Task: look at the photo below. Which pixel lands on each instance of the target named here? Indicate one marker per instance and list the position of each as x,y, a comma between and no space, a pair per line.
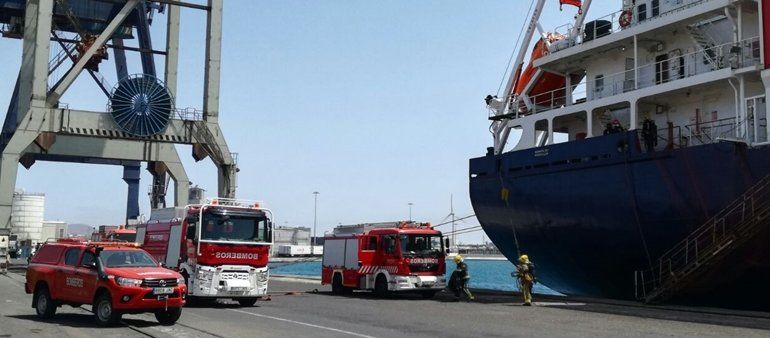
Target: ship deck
298,310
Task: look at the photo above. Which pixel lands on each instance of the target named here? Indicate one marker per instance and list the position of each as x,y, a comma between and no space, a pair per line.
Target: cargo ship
630,152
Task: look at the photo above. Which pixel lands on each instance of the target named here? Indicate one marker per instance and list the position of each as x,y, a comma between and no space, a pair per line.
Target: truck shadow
76,320
81,320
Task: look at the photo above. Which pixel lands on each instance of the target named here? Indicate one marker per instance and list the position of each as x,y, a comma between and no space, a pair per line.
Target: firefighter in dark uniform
649,134
460,278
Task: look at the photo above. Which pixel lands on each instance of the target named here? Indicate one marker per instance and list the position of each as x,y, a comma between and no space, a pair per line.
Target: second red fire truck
220,247
385,257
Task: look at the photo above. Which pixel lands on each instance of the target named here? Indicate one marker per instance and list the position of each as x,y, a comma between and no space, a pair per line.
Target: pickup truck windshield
242,228
420,245
127,259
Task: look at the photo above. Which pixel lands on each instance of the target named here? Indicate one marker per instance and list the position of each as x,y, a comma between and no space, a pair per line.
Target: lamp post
315,223
410,210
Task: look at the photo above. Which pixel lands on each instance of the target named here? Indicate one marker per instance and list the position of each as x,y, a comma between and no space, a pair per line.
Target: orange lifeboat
547,82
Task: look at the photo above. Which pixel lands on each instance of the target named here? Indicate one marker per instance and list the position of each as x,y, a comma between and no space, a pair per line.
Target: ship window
599,83
642,13
661,69
542,134
655,7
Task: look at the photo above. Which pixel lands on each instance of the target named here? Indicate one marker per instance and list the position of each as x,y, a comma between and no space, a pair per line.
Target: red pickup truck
116,278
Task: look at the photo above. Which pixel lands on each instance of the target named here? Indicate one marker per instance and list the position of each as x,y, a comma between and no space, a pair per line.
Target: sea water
485,274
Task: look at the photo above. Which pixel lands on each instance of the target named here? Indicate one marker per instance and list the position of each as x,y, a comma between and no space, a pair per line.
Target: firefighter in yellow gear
525,273
459,280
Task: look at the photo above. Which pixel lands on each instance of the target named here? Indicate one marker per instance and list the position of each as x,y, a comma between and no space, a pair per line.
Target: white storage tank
27,215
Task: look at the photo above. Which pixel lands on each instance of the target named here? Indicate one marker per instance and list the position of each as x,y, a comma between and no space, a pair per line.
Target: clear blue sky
374,104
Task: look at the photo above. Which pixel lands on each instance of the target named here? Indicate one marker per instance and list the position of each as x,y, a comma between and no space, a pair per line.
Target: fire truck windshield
126,259
241,228
421,245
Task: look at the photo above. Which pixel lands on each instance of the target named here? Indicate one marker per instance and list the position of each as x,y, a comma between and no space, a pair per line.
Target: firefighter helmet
523,259
458,259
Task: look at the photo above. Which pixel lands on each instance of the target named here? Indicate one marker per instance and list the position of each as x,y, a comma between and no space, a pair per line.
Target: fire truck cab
385,257
221,247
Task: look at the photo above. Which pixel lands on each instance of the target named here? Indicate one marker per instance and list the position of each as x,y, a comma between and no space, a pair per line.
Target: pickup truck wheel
44,305
168,317
337,287
104,312
247,301
381,286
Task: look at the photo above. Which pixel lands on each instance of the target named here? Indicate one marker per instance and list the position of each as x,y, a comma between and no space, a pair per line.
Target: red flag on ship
576,3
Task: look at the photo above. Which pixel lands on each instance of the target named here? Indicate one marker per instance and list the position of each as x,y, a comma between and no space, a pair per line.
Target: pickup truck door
67,284
87,271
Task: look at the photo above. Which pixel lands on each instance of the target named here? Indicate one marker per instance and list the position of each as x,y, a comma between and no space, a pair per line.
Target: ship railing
610,23
672,138
711,131
744,53
724,231
552,99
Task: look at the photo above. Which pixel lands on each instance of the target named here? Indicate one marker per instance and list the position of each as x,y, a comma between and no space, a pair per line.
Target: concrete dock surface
302,308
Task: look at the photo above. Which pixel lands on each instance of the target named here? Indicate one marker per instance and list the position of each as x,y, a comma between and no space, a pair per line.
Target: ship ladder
708,245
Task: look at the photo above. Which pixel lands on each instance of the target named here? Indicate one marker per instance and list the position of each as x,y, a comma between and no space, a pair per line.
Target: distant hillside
79,230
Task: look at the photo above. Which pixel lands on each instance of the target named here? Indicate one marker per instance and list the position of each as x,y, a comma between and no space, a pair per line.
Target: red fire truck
384,257
221,247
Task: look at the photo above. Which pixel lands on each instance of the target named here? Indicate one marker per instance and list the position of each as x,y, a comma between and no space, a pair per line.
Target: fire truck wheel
381,286
44,305
168,317
428,294
247,301
104,312
337,287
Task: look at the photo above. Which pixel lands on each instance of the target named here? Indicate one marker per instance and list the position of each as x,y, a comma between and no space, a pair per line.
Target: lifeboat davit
545,82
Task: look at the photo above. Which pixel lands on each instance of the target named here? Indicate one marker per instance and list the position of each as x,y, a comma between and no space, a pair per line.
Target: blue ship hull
591,212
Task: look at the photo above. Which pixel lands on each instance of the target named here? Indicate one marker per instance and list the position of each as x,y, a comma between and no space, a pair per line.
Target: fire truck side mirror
446,244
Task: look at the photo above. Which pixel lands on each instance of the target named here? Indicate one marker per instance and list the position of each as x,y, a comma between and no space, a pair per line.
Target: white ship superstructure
694,67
